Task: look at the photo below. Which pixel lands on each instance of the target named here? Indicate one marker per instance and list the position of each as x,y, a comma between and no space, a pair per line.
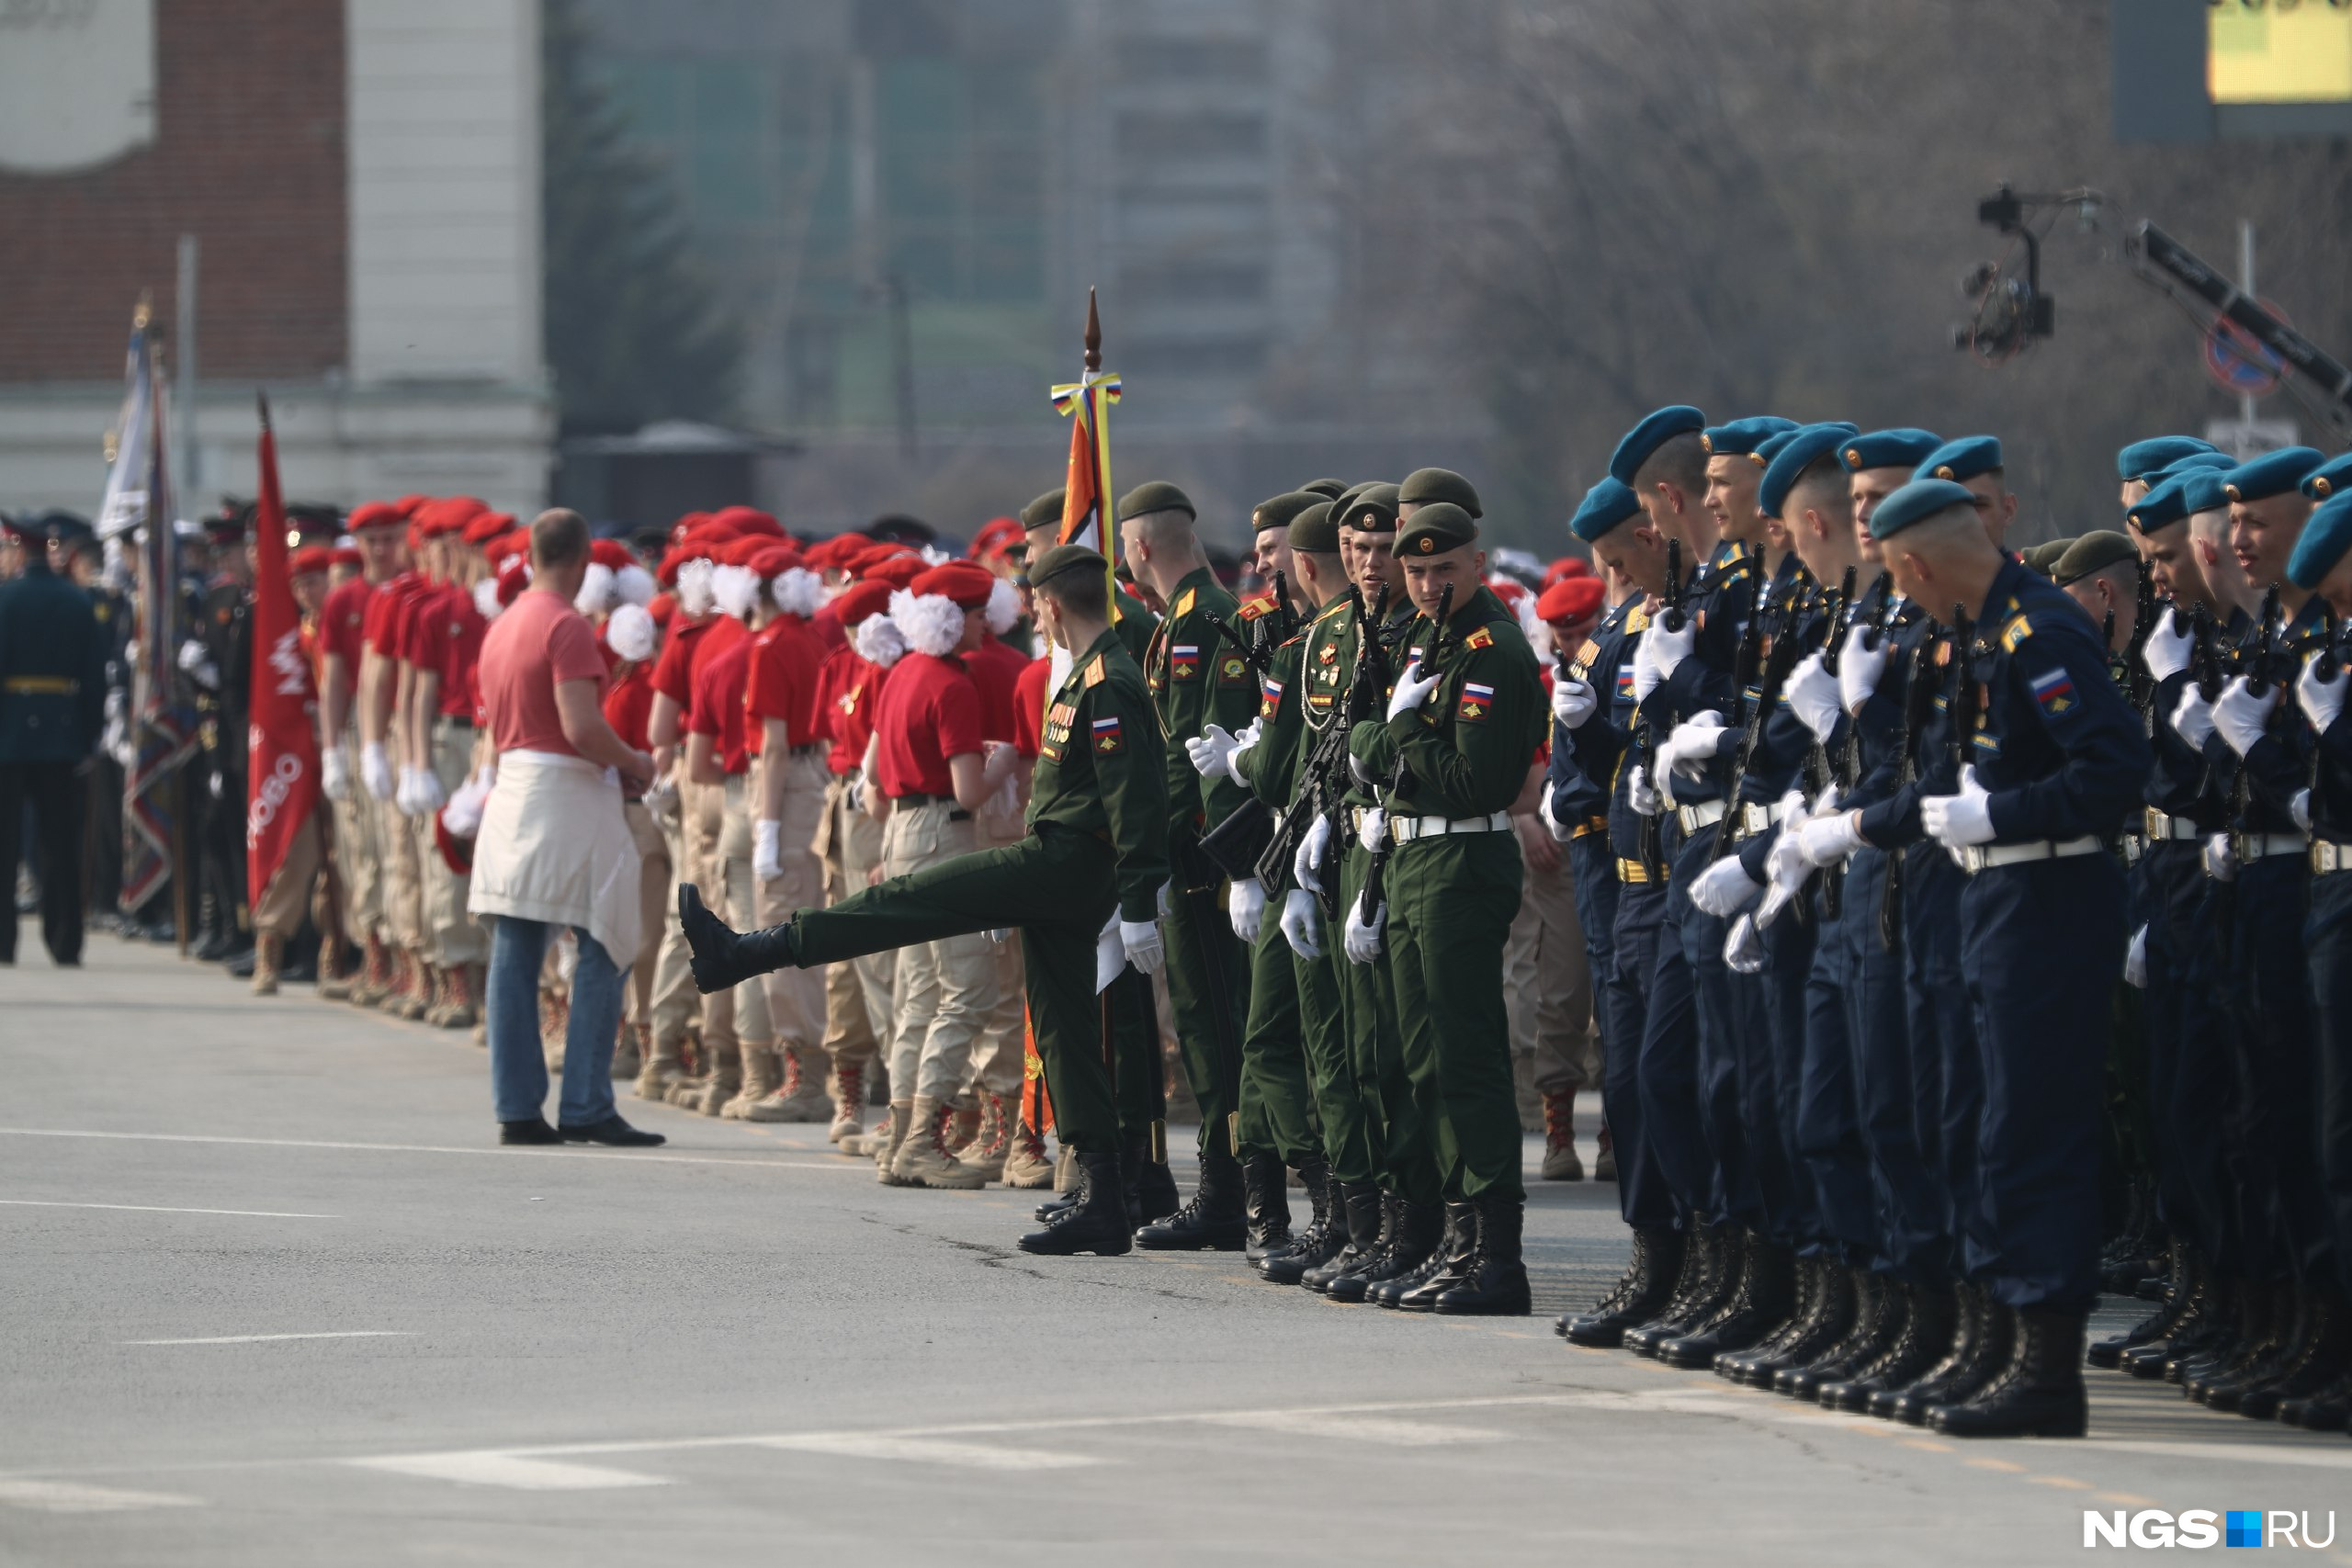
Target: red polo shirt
448,642
930,711
996,670
848,688
684,652
628,706
718,704
786,659
341,620
1029,707
385,610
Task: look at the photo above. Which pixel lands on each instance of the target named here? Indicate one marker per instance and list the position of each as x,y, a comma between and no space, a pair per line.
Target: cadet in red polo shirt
358,851
994,1090
442,646
385,696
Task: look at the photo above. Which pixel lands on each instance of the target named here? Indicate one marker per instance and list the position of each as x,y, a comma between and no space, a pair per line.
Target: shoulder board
1482,638
1589,652
1733,570
1184,606
2014,632
1253,608
1335,607
1296,639
1095,672
1638,620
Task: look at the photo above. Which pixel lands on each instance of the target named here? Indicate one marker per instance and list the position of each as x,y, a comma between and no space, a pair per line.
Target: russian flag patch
1186,660
1475,701
1106,733
2055,692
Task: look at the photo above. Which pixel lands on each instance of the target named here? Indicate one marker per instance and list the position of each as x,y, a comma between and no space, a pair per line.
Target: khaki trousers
451,936
287,897
796,996
404,898
1547,987
358,854
947,988
703,808
655,899
857,990
753,1026
999,1055
672,1004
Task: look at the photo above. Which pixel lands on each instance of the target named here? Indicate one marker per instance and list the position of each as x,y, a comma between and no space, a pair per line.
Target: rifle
1779,646
1282,622
1652,849
1257,655
2250,658
1961,710
1818,771
1918,698
1306,803
1400,777
2135,650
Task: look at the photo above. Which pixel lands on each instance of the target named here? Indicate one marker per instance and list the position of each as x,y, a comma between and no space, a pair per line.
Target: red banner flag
281,744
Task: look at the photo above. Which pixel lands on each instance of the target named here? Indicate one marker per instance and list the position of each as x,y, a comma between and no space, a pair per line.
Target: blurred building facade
361,178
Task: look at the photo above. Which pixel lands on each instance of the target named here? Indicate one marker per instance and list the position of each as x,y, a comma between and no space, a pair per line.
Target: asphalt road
270,1294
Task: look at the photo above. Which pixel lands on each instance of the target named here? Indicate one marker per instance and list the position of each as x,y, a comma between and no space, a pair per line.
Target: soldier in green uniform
217,658
52,691
1089,873
1196,679
1461,730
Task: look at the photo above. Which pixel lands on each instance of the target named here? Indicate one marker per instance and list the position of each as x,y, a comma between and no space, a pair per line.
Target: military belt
2262,846
1755,818
1405,830
1984,857
2328,857
1589,827
1694,818
42,685
1632,871
916,801
2164,825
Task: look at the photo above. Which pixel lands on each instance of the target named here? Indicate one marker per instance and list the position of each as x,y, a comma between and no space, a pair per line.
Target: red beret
406,505
346,555
897,570
994,536
377,514
1570,599
961,582
488,526
862,603
1509,590
686,524
1566,567
774,560
609,553
513,577
310,559
743,551
663,606
746,519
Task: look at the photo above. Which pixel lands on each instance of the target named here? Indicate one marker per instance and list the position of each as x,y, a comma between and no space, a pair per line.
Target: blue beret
2273,473
2215,460
2204,490
1655,431
1744,437
1961,459
1919,498
1903,447
1606,504
2144,457
2327,535
2331,477
2165,503
1791,456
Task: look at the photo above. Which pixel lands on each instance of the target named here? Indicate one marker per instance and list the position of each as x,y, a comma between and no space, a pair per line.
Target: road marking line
155,1209
631,1156
268,1338
1927,1446
76,1497
928,1450
2125,1499
2065,1483
2337,1456
2004,1466
1357,1428
516,1472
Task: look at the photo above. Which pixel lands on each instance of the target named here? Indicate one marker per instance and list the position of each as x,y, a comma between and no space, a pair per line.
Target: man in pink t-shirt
542,680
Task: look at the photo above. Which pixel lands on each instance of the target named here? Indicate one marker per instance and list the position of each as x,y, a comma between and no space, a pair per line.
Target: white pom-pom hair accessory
798,592
596,590
878,641
1005,606
694,585
734,589
932,623
635,585
629,633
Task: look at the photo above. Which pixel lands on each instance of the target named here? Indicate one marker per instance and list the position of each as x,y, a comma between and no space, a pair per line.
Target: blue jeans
518,1070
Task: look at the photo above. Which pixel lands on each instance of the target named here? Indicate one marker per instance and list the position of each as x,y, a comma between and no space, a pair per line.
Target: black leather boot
1805,1295
1388,1292
1316,1177
1803,1379
1318,1244
1212,1222
1265,1206
1099,1222
1156,1194
2317,1361
1496,1285
2157,1325
1414,1238
1392,1217
2206,1321
1981,1353
2260,1336
1831,1319
2038,1394
1758,1306
1456,1259
724,958
1694,1288
2327,1409
1639,1295
1925,1339
1361,1209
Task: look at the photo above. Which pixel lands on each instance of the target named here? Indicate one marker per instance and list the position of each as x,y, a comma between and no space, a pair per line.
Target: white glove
1860,669
1211,750
1140,941
1110,955
1245,906
1413,689
1299,924
2239,714
2221,859
1956,821
1310,854
1642,794
1743,948
462,815
1694,740
1362,940
376,771
196,659
213,783
1668,649
767,850
1550,818
1161,902
1785,867
1812,693
1375,832
430,797
1724,889
2135,960
1645,671
999,934
2321,701
2192,718
1829,839
1572,704
405,793
2168,648
2299,808
1241,744
334,773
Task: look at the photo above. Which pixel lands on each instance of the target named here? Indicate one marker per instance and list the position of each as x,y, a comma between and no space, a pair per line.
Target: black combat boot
1926,1340
1388,1292
1457,1259
1758,1306
1981,1352
2204,1322
724,958
1392,1217
1495,1282
1361,1209
1694,1289
2317,1363
1417,1229
1831,1319
1803,1379
2326,1409
2260,1335
1805,1295
1212,1222
1156,1194
1316,1177
2158,1324
1099,1222
1639,1295
1265,1206
1318,1244
1866,1355
2038,1394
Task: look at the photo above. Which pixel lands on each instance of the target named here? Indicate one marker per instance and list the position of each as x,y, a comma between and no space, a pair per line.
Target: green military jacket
1101,769
1198,679
1135,625
52,669
1470,743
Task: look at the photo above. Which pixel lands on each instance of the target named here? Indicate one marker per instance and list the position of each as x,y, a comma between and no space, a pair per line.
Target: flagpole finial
1093,333
261,403
144,311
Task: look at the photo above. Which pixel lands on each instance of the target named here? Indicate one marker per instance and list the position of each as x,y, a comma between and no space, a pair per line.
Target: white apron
555,846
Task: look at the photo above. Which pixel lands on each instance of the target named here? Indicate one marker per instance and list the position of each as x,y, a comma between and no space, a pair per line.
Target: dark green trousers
1057,887
1377,1047
1139,1070
1339,1100
1451,901
1275,1099
1210,1017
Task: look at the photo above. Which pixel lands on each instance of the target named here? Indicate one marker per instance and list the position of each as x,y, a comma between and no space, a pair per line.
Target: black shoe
1638,1295
1828,1318
1495,1282
535,1131
1098,1224
613,1133
1874,1329
2315,1365
1155,1193
240,965
2039,1394
1457,1259
1363,1215
1265,1207
1710,1274
1317,1244
1315,1177
1982,1344
1348,1284
723,958
1927,1339
1391,1292
1759,1307
1414,1239
1213,1221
